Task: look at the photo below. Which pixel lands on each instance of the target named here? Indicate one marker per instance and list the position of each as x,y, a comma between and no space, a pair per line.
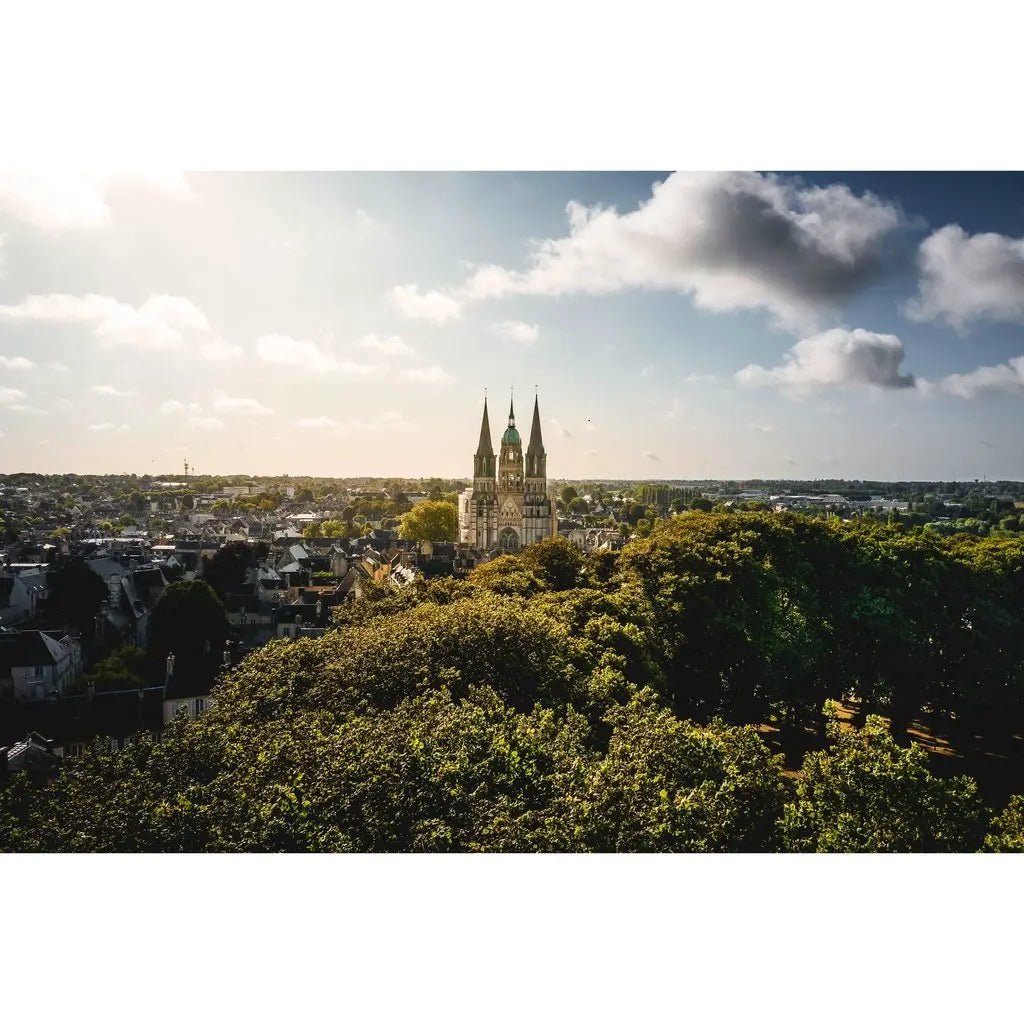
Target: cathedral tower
536,457
510,465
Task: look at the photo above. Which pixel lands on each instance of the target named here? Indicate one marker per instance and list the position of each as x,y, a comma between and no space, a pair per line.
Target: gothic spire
536,441
484,447
511,413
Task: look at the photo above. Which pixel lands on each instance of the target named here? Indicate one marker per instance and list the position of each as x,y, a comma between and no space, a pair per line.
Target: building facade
508,505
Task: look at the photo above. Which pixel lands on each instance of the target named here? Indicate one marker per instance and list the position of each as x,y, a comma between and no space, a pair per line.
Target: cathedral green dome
511,436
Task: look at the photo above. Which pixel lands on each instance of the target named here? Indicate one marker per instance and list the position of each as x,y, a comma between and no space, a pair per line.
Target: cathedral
508,505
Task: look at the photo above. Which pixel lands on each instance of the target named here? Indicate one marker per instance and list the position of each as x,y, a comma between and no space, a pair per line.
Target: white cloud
427,375
730,240
433,305
173,406
516,330
1008,376
31,410
106,428
563,431
318,422
217,350
366,221
110,391
58,366
674,410
390,346
158,323
699,378
383,421
243,406
9,395
204,423
16,363
283,350
762,428
57,202
969,277
836,358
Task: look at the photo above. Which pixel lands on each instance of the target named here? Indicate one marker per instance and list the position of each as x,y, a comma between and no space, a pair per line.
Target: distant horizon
693,323
681,481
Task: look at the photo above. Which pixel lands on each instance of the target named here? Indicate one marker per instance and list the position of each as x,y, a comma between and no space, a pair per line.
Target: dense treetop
557,702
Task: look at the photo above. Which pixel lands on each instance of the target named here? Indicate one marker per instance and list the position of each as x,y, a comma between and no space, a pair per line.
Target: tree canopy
430,520
554,702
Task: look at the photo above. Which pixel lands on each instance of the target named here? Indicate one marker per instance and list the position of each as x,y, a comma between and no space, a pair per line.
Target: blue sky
751,325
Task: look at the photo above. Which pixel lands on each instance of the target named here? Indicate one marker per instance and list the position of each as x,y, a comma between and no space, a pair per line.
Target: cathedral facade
508,505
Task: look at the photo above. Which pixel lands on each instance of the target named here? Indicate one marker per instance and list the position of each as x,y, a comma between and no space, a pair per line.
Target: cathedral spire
511,412
536,441
484,447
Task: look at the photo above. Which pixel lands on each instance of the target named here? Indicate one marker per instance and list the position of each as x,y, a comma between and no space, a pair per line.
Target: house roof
28,649
79,720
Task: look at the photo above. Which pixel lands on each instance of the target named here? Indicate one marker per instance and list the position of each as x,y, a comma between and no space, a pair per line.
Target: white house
37,665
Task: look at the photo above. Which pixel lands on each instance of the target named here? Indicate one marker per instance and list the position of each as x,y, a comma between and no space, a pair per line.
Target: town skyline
678,326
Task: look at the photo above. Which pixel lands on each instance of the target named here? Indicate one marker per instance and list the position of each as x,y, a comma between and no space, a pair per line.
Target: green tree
188,621
556,561
122,669
866,794
76,595
667,785
568,494
1006,834
226,569
430,520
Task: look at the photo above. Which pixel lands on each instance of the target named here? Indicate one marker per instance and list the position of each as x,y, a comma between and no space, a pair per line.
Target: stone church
508,505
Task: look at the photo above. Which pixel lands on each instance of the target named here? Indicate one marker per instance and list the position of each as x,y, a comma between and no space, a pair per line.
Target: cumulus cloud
10,395
31,410
389,346
159,323
107,428
730,240
319,422
61,201
244,406
283,350
434,306
834,359
110,391
427,375
964,278
16,363
217,350
172,405
1008,377
516,330
383,421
